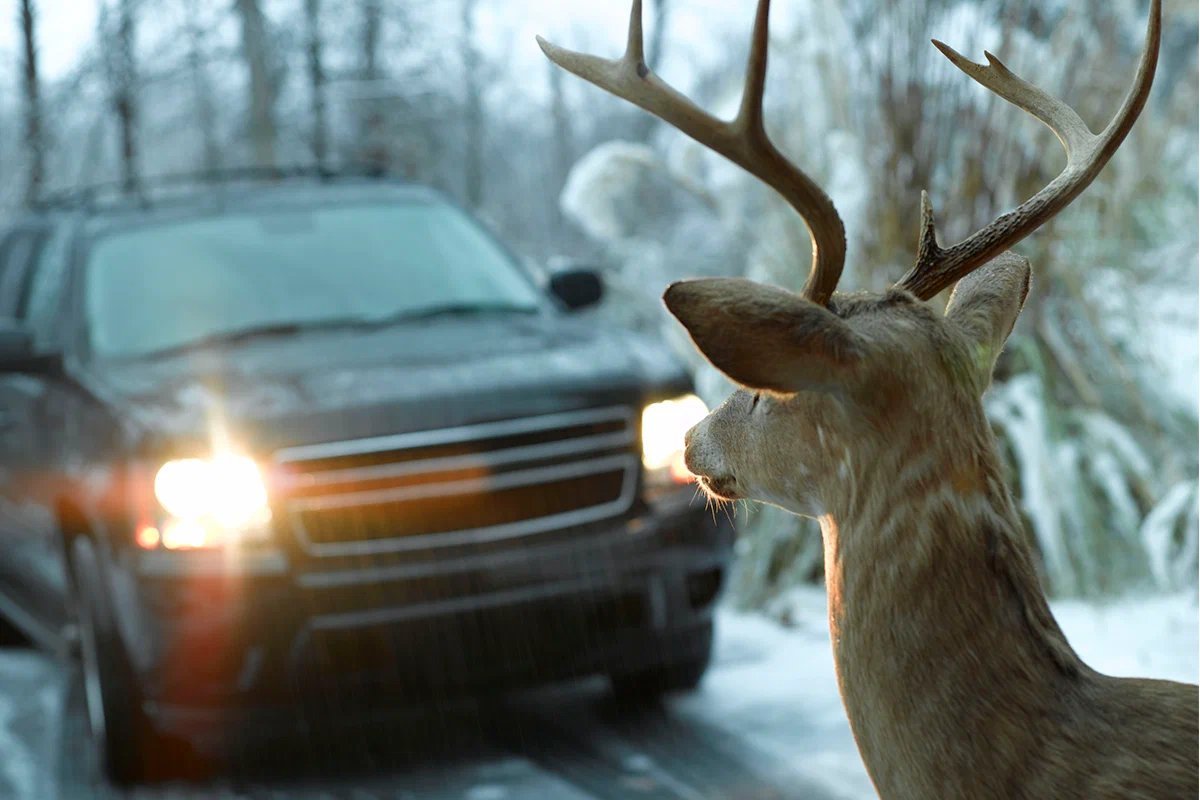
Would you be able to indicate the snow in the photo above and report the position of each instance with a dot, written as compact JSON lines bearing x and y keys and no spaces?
{"x":1158,"y":531}
{"x":21,"y":673}
{"x":775,"y":686}
{"x":1172,"y":341}
{"x":1018,"y":406}
{"x":599,"y":184}
{"x":1151,"y":637}
{"x":772,"y":693}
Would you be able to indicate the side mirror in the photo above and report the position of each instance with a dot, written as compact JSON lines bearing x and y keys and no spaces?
{"x":17,"y":352}
{"x":577,"y":288}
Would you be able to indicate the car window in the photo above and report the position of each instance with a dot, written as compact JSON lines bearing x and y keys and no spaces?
{"x":17,"y":256}
{"x":158,"y":287}
{"x":40,"y":302}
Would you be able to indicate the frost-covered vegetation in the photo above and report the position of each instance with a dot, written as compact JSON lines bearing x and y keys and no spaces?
{"x":1095,"y":401}
{"x":1096,"y":398}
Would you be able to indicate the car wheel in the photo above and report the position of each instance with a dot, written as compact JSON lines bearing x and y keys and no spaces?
{"x":10,"y":636}
{"x":680,"y":675}
{"x":119,"y":727}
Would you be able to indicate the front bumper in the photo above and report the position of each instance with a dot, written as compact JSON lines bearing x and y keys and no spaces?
{"x":213,"y":630}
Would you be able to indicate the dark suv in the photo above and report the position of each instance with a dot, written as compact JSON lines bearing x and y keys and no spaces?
{"x":324,"y":438}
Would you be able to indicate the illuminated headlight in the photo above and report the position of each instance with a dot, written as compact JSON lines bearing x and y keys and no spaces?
{"x":663,"y":427}
{"x":209,"y":502}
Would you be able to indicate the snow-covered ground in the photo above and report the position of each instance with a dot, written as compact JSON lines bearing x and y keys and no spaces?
{"x":767,"y":722}
{"x":775,"y":687}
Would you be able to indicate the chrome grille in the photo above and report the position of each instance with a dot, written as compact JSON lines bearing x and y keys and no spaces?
{"x":476,"y":483}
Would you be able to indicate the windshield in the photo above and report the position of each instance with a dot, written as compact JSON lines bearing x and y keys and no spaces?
{"x":160,"y":288}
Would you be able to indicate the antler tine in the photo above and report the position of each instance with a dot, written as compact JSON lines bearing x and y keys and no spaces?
{"x":635,"y":47}
{"x":743,"y":141}
{"x":1087,"y":153}
{"x":750,"y":114}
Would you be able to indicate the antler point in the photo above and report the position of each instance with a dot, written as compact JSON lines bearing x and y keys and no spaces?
{"x":550,"y":49}
{"x":634,"y":46}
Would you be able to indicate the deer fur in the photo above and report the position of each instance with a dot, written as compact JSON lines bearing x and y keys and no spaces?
{"x":867,"y":415}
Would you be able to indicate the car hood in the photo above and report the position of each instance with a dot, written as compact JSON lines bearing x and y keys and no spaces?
{"x":330,"y":386}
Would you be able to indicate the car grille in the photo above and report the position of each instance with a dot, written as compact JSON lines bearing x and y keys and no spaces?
{"x":462,"y":485}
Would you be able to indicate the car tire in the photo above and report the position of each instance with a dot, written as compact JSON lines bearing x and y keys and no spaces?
{"x":683,"y":675}
{"x":11,"y":636}
{"x":121,"y":732}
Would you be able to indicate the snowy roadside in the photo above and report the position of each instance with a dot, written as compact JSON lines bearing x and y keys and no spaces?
{"x":775,"y":686}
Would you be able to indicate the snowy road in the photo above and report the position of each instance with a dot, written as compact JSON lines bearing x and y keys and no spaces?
{"x":766,"y":725}
{"x":569,"y":742}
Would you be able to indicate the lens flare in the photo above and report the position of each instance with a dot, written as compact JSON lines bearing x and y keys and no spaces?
{"x":148,"y":537}
{"x":185,"y":534}
{"x":663,"y":427}
{"x":210,"y":500}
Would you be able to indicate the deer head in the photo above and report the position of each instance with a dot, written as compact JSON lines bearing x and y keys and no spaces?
{"x":827,"y":379}
{"x":829,"y":391}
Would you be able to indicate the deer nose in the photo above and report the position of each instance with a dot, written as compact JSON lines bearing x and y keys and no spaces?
{"x":687,"y":437}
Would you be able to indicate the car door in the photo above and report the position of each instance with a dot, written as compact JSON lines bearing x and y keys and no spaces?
{"x":31,"y":577}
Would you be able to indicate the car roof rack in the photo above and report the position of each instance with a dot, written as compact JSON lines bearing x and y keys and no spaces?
{"x":144,"y":193}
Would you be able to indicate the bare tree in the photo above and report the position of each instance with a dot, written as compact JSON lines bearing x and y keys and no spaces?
{"x":202,"y":89}
{"x":35,"y":141}
{"x":120,"y":69}
{"x":316,"y":80}
{"x":645,"y":124}
{"x":262,"y":94}
{"x":372,"y":27}
{"x":472,"y":108}
{"x":375,"y":147}
{"x":561,"y":133}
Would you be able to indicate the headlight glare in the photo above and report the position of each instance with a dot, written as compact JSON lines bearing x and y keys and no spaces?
{"x":223,"y":496}
{"x":663,"y":427}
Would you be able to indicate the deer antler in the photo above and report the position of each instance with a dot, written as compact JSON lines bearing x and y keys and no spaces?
{"x":1087,"y":153}
{"x":743,"y":141}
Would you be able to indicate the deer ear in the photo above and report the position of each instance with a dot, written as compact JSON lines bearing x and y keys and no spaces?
{"x":764,"y":337}
{"x":985,"y":306}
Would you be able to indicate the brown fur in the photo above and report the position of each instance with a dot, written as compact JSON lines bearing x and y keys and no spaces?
{"x":957,"y":680}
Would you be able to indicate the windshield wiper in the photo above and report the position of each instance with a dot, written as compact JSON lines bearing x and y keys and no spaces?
{"x":449,"y":310}
{"x":239,"y":335}
{"x":283,"y":329}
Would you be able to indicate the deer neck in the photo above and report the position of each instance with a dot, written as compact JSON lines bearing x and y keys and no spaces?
{"x":945,"y":649}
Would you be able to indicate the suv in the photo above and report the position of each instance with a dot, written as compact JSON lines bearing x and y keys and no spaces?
{"x":325,"y":438}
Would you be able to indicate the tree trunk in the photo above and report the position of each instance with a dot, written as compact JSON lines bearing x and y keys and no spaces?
{"x":564,"y":137}
{"x":372,"y":23}
{"x":35,"y":142}
{"x":205,"y":107}
{"x":472,"y":109}
{"x":645,"y":124}
{"x":373,"y":145}
{"x":125,"y":96}
{"x":262,"y":101}
{"x":316,"y":81}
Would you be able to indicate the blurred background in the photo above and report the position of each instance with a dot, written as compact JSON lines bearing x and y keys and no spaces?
{"x":1096,"y":397}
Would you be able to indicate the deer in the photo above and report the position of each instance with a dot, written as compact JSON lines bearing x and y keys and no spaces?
{"x":864,"y":411}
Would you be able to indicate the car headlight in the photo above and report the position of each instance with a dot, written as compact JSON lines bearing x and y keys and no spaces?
{"x":663,"y":427}
{"x":209,"y":502}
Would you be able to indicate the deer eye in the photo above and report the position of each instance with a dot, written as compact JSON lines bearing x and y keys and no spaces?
{"x":754,"y":400}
